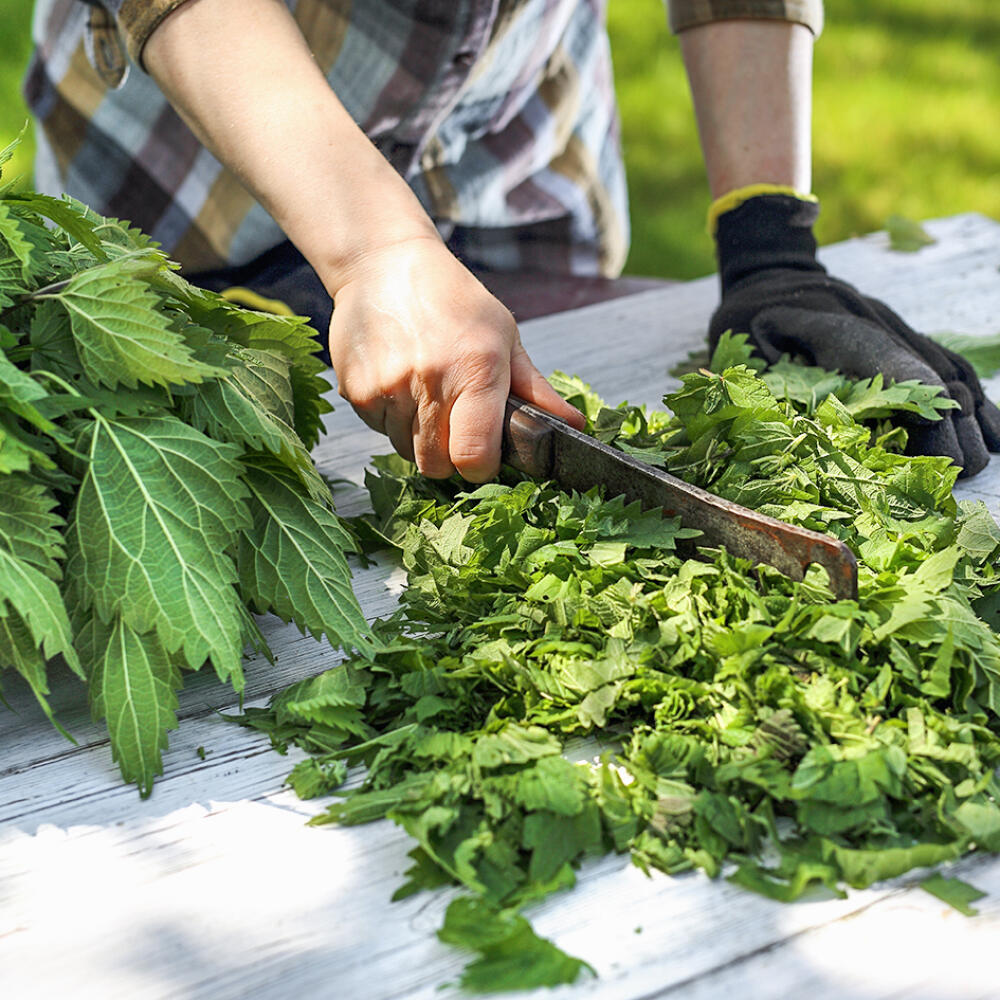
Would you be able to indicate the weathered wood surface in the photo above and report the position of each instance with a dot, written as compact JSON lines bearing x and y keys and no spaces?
{"x":214,"y":887}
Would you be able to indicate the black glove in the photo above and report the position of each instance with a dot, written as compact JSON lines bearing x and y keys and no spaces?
{"x":775,"y":290}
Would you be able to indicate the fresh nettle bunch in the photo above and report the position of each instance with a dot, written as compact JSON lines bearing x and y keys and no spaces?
{"x":744,"y":722}
{"x":155,"y":472}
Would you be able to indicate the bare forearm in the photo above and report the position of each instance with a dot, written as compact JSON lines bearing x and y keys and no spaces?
{"x":751,"y":83}
{"x":241,"y":75}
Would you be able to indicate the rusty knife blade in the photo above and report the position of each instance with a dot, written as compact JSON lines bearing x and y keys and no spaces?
{"x":544,"y":447}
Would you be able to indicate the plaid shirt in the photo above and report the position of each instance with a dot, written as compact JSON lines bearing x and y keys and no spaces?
{"x":500,"y":115}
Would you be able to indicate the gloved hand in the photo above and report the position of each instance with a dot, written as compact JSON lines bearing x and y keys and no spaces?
{"x":774,"y":290}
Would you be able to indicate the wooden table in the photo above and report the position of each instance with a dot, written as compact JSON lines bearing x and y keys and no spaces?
{"x":214,"y":888}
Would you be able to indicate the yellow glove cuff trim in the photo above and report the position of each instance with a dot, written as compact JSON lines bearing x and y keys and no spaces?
{"x":251,"y":300}
{"x":736,"y":197}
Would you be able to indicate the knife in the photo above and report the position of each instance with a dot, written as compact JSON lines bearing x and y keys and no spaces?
{"x":544,"y":447}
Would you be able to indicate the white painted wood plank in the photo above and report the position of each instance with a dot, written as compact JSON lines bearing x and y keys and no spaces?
{"x":214,"y":888}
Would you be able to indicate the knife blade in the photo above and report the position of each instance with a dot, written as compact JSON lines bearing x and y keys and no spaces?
{"x":544,"y":447}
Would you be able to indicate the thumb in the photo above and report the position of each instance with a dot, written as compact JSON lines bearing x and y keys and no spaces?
{"x":531,"y":385}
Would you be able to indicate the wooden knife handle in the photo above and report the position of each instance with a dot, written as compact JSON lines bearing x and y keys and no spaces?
{"x":528,"y":441}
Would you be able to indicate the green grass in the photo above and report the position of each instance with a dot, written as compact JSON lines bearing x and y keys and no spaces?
{"x":15,"y":30}
{"x":907,"y":99}
{"x":907,"y":96}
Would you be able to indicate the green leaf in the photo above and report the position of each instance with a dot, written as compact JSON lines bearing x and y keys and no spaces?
{"x":151,"y":535}
{"x":868,"y":399}
{"x":311,"y":778}
{"x":906,"y":235}
{"x":133,"y":684}
{"x":954,"y":892}
{"x":11,"y":234}
{"x":122,"y":335}
{"x":19,"y":651}
{"x":64,"y":213}
{"x":21,"y":394}
{"x":36,"y":599}
{"x":512,"y":956}
{"x":983,"y":353}
{"x":286,"y":336}
{"x":254,"y":406}
{"x":291,"y":559}
{"x":732,"y":350}
{"x":7,"y":153}
{"x":20,"y":452}
{"x":30,"y":528}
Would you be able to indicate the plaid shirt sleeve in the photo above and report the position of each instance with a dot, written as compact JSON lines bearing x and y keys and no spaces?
{"x":136,"y":19}
{"x":686,"y":14}
{"x":500,"y":115}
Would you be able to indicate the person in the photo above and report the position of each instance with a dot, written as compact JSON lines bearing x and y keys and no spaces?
{"x":369,"y":153}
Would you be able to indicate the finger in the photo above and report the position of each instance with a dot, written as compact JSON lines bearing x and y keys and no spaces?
{"x":531,"y":385}
{"x":937,"y":438}
{"x":975,"y":456}
{"x":475,"y":426}
{"x":967,"y":432}
{"x":373,"y":414}
{"x":989,"y":422}
{"x":430,"y":440}
{"x":399,"y":428}
{"x":841,"y":342}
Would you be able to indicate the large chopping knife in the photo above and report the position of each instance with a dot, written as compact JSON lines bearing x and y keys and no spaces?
{"x":544,"y":447}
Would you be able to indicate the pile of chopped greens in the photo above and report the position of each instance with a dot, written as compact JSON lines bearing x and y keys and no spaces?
{"x":745,"y":723}
{"x":155,"y":470}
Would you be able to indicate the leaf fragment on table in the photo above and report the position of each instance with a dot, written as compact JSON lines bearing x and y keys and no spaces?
{"x":983,"y":353}
{"x":954,"y":892}
{"x":906,"y":235}
{"x":512,"y":955}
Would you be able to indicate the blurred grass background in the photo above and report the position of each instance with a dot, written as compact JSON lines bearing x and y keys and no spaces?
{"x":906,"y":113}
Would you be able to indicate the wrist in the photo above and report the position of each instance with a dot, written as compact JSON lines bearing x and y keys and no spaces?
{"x":766,"y":231}
{"x":735,"y":197}
{"x":347,"y":234}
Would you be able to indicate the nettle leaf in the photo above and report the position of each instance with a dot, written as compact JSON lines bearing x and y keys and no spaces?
{"x":512,"y":955}
{"x":291,"y":559}
{"x":122,"y":336}
{"x":129,"y":398}
{"x":311,"y":778}
{"x":867,"y":399}
{"x":153,"y":532}
{"x":295,"y":340}
{"x":21,"y":394}
{"x":906,"y":234}
{"x":288,"y":337}
{"x":37,"y":601}
{"x":64,"y":213}
{"x":954,"y":892}
{"x":983,"y":353}
{"x":19,"y":651}
{"x":14,"y":238}
{"x":20,"y":451}
{"x":133,"y":684}
{"x":30,"y":528}
{"x":254,"y":406}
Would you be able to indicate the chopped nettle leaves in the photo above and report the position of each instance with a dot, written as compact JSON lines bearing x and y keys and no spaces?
{"x":157,"y":483}
{"x":741,"y":722}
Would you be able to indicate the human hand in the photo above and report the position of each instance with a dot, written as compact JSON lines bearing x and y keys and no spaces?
{"x":774,"y":290}
{"x":427,"y":356}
